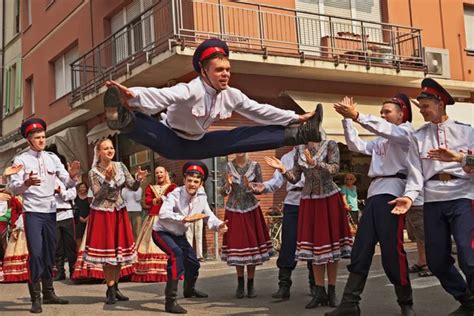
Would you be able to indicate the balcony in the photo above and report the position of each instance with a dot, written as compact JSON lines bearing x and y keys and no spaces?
{"x":247,"y":28}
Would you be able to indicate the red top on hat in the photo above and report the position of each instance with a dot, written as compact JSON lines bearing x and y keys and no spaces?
{"x":195,"y":168}
{"x":211,"y":50}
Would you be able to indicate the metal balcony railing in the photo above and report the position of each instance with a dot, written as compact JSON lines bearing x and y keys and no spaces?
{"x":251,"y":28}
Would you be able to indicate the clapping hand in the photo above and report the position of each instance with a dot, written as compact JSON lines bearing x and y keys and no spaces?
{"x":309,"y":158}
{"x":5,"y":197}
{"x":109,"y":173}
{"x":257,"y":187}
{"x":73,"y":168}
{"x":223,"y":227}
{"x":140,"y":175}
{"x":10,"y":170}
{"x":275,"y":163}
{"x":32,"y":180}
{"x":228,"y":183}
{"x":347,"y":108}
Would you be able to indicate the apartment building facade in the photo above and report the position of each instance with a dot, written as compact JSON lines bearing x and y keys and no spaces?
{"x":289,"y":53}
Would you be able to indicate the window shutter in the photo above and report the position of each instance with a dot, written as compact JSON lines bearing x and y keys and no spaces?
{"x":18,"y":86}
{"x":59,"y":77}
{"x":309,"y":25}
{"x":469,"y":27}
{"x":7,"y":91}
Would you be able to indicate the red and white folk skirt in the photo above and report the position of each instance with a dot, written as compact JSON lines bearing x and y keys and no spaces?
{"x":15,"y":262}
{"x":247,"y":241}
{"x":84,"y":270}
{"x":323,"y":230}
{"x":109,"y":238}
{"x":152,"y":261}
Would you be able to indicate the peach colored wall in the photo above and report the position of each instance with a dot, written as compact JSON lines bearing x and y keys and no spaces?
{"x":442,"y":24}
{"x":42,"y":44}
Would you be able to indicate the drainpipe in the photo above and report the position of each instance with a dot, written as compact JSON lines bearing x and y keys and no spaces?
{"x":2,"y":67}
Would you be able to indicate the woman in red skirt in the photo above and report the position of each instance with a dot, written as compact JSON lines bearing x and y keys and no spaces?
{"x":247,"y":242}
{"x":109,"y":238}
{"x":152,"y":261}
{"x":323,"y":229}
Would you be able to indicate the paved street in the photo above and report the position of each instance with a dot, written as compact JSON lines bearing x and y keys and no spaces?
{"x":220,"y":282}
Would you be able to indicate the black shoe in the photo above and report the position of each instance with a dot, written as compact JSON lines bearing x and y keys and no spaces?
{"x":118,"y":117}
{"x":240,"y":292}
{"x":345,"y":309}
{"x":462,"y":311}
{"x":49,"y":297}
{"x":110,"y":295}
{"x":35,"y":294}
{"x":283,"y":293}
{"x":351,"y":297}
{"x":61,"y":275}
{"x":118,"y":295}
{"x":189,"y":289}
{"x":307,"y":132}
{"x":251,"y":293}
{"x":407,"y":310}
{"x":171,"y":295}
{"x":467,"y":306}
{"x":332,"y":299}
{"x":320,"y":298}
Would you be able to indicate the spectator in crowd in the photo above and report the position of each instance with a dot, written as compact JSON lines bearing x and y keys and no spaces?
{"x":65,"y":230}
{"x":416,"y":233}
{"x":349,"y":196}
{"x":132,"y":201}
{"x":82,"y":207}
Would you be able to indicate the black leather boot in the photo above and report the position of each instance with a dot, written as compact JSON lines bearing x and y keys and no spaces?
{"x":190,"y":290}
{"x":284,"y":284}
{"x":251,"y":293}
{"x":119,"y":294}
{"x":312,"y":284}
{"x":320,"y":298}
{"x":467,"y":306}
{"x":350,"y":299}
{"x":307,"y":132}
{"x":110,"y":295}
{"x":118,"y":116}
{"x":405,"y":299}
{"x":332,"y":299}
{"x":35,"y":294}
{"x":171,"y":295}
{"x":240,"y":292}
{"x":49,"y":297}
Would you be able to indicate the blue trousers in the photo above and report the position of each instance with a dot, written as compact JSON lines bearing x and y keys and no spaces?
{"x":378,"y":224}
{"x":181,"y":256}
{"x":40,"y":231}
{"x":153,"y":134}
{"x":442,"y":219}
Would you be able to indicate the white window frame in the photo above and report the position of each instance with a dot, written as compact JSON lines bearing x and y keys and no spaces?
{"x":468,"y":28}
{"x":63,"y":78}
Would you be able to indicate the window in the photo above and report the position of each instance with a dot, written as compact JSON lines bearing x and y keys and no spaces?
{"x":12,"y":88}
{"x":28,"y":13}
{"x":139,"y":33}
{"x":469,"y":27}
{"x":313,"y":27}
{"x":17,"y":16}
{"x":30,"y":94}
{"x":62,"y":72}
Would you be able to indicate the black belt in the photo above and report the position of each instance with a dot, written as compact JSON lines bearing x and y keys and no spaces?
{"x":297,"y":189}
{"x":443,"y":177}
{"x":397,"y":175}
{"x":62,"y":209}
